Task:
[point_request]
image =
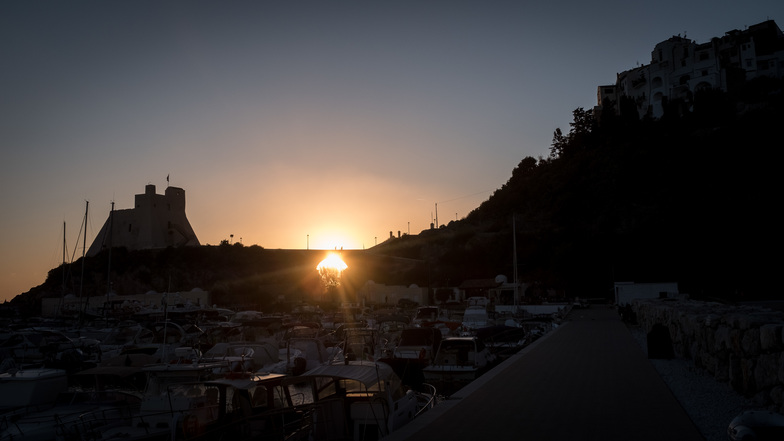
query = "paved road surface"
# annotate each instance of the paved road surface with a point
(586, 380)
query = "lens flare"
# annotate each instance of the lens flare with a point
(330, 269)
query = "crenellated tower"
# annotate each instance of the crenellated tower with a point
(156, 221)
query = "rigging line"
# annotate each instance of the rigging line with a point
(82, 229)
(60, 251)
(465, 196)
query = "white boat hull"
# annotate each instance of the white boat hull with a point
(31, 387)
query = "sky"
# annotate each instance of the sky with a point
(298, 124)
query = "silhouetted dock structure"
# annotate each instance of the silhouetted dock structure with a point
(589, 379)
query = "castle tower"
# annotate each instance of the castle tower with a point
(156, 221)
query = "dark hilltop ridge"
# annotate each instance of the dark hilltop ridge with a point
(690, 197)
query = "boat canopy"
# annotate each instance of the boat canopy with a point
(369, 374)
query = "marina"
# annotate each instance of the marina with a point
(194, 372)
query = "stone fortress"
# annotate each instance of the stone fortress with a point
(156, 221)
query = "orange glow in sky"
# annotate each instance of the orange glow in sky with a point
(294, 125)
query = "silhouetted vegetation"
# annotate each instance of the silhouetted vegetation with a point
(688, 198)
(237, 276)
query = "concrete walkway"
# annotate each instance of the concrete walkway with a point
(586, 380)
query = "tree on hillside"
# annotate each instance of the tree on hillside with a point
(579, 137)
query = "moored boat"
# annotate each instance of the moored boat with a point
(73, 414)
(238, 406)
(246, 356)
(355, 400)
(459, 359)
(31, 387)
(415, 350)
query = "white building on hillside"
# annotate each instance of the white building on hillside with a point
(680, 67)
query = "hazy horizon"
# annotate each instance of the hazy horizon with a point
(298, 124)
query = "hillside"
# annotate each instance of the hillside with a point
(238, 276)
(688, 198)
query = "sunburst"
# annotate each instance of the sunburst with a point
(330, 270)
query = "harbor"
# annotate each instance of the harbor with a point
(186, 371)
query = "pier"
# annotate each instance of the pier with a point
(588, 379)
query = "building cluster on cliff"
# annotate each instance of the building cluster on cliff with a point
(680, 68)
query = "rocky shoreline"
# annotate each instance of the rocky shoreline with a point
(710, 404)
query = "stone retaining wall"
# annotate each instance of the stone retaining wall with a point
(739, 345)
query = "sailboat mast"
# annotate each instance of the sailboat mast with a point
(64, 257)
(84, 250)
(109, 265)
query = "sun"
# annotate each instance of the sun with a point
(330, 269)
(332, 262)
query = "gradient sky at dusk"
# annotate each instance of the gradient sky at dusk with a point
(298, 123)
